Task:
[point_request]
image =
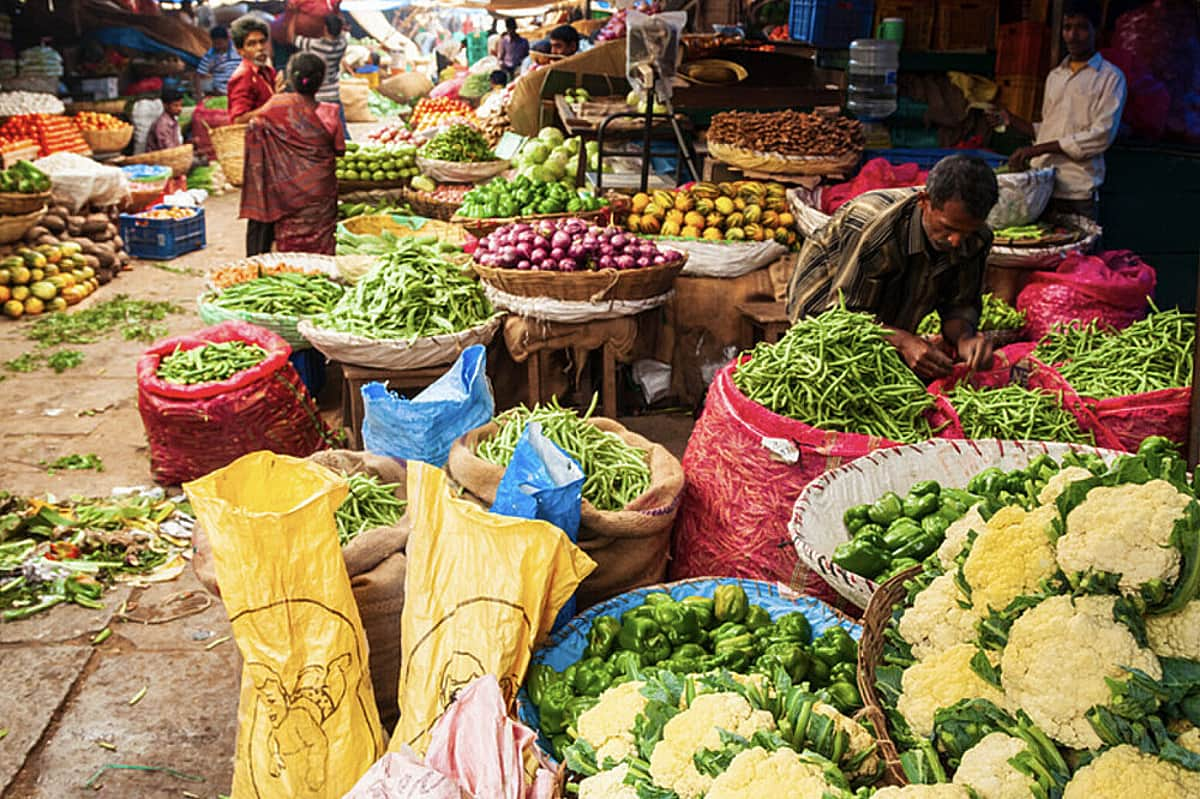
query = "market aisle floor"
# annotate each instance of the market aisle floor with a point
(65, 696)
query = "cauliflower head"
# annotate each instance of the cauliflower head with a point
(1057, 659)
(608, 726)
(936, 621)
(940, 681)
(698, 728)
(756, 772)
(956, 535)
(608, 785)
(985, 768)
(1125, 771)
(1125, 530)
(1190, 739)
(1059, 482)
(1011, 555)
(944, 791)
(1176, 635)
(861, 740)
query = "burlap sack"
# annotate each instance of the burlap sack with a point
(355, 94)
(375, 562)
(630, 546)
(406, 87)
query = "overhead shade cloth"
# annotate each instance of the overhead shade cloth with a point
(170, 34)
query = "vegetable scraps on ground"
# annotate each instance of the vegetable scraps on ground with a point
(1015, 412)
(1052, 649)
(568, 245)
(286, 294)
(615, 473)
(665, 699)
(997, 315)
(838, 372)
(369, 504)
(52, 553)
(209, 363)
(413, 292)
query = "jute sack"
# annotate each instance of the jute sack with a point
(630, 546)
(375, 562)
(406, 87)
(355, 94)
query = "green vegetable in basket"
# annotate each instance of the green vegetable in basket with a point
(369, 504)
(209, 363)
(461, 143)
(602, 637)
(731, 603)
(1015, 412)
(864, 554)
(522, 196)
(540, 677)
(283, 294)
(645, 637)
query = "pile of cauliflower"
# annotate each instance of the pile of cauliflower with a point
(1048, 610)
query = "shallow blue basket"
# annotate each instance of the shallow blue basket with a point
(566, 644)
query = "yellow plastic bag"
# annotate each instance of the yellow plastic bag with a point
(307, 723)
(480, 592)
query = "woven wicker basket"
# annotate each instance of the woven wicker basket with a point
(15, 204)
(347, 186)
(12, 228)
(870, 652)
(108, 141)
(585, 286)
(178, 158)
(427, 205)
(772, 163)
(229, 142)
(374, 224)
(114, 107)
(482, 227)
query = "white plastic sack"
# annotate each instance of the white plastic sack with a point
(144, 114)
(455, 172)
(805, 207)
(1048, 257)
(571, 311)
(395, 354)
(816, 525)
(725, 258)
(76, 181)
(1023, 197)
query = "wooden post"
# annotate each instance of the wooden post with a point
(1193, 451)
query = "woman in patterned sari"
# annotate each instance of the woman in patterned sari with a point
(289, 193)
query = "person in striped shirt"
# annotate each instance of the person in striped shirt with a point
(331, 48)
(898, 254)
(217, 65)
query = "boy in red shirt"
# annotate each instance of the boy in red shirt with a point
(253, 82)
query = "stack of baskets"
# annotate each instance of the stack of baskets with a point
(19, 213)
(229, 142)
(108, 141)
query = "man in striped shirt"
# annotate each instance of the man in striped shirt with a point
(900, 253)
(217, 65)
(331, 48)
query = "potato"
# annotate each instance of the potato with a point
(54, 223)
(106, 259)
(92, 261)
(34, 232)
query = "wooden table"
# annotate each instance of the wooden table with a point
(355, 377)
(769, 317)
(608, 387)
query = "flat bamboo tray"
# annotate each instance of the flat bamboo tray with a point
(482, 226)
(585, 286)
(776, 164)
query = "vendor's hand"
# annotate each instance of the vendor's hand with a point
(976, 351)
(924, 358)
(1019, 161)
(279, 81)
(998, 118)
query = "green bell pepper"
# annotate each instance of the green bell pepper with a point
(658, 598)
(727, 630)
(793, 627)
(577, 707)
(704, 609)
(627, 663)
(540, 676)
(925, 487)
(834, 646)
(919, 506)
(855, 517)
(552, 709)
(844, 672)
(640, 612)
(818, 671)
(645, 637)
(844, 696)
(730, 603)
(900, 532)
(602, 637)
(788, 656)
(757, 618)
(864, 554)
(935, 525)
(734, 659)
(987, 483)
(590, 677)
(917, 547)
(886, 509)
(688, 659)
(678, 622)
(898, 565)
(871, 530)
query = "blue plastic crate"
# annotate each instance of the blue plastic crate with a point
(310, 365)
(830, 23)
(927, 157)
(162, 239)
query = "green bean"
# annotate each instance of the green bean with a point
(369, 504)
(997, 315)
(288, 294)
(1015, 412)
(615, 473)
(838, 372)
(210, 362)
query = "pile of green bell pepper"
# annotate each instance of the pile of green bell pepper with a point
(694, 635)
(895, 533)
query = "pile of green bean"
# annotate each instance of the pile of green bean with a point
(837, 371)
(1150, 355)
(996, 315)
(615, 473)
(369, 504)
(286, 294)
(209, 363)
(413, 292)
(1015, 412)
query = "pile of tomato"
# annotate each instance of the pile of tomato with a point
(53, 133)
(432, 112)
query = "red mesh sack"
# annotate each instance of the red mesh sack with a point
(1136, 416)
(878, 173)
(195, 429)
(1111, 288)
(738, 496)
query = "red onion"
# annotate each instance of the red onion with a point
(624, 262)
(523, 265)
(537, 255)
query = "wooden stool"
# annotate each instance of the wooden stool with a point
(770, 317)
(355, 377)
(608, 388)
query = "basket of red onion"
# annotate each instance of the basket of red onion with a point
(570, 259)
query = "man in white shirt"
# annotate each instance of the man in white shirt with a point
(1081, 113)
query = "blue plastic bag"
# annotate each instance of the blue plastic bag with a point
(424, 427)
(543, 482)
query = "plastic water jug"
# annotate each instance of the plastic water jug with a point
(871, 78)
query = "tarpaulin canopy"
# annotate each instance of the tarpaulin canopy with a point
(153, 32)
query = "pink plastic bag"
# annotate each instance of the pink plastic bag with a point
(1111, 288)
(878, 173)
(449, 88)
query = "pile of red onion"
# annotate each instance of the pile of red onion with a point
(568, 245)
